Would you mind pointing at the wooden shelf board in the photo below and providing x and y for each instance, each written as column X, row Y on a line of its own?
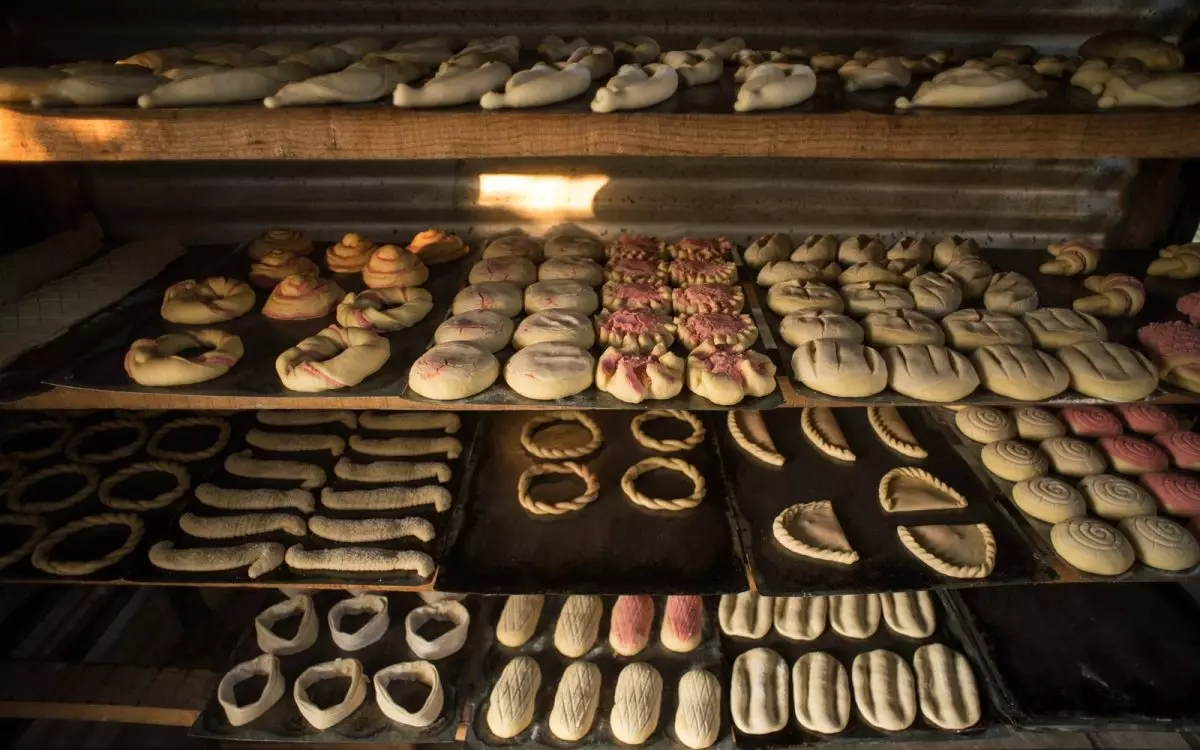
column 273, row 583
column 383, row 132
column 164, row 717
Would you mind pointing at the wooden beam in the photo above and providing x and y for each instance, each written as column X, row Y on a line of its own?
column 167, row 717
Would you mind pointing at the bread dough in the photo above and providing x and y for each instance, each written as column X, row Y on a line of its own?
column 1183, row 447
column 1177, row 494
column 984, row 424
column 387, row 309
column 16, row 495
column 1177, row 262
column 456, row 84
column 636, row 296
column 1014, row 460
column 946, row 687
column 725, row 375
column 906, row 489
column 893, row 432
column 816, row 249
column 839, row 369
column 793, row 296
column 801, row 618
column 884, row 690
column 410, row 671
column 513, row 697
column 211, row 300
column 1130, row 455
column 578, row 625
column 812, row 530
column 157, row 362
column 708, row 298
column 698, row 716
column 930, row 373
column 302, row 297
column 870, row 297
column 38, row 528
column 935, row 294
column 1019, row 372
column 870, row 273
column 640, row 246
column 1092, row 546
column 1161, row 543
column 758, row 693
column 968, row 330
column 1010, row 293
column 549, row 371
column 136, row 432
column 497, row 296
column 590, row 492
column 574, row 246
column 510, row 270
column 387, row 498
column 285, row 240
column 775, row 86
column 568, row 267
column 634, row 330
column 177, row 472
column 444, row 645
column 686, row 272
column 411, row 421
column 350, row 254
column 240, row 714
column 1148, row 419
column 638, row 270
column 1174, row 346
column 1113, row 498
column 1115, row 295
column 854, row 616
column 452, row 371
column 278, row 265
column 909, row 613
column 724, row 329
column 1090, row 421
column 360, row 560
column 667, row 445
column 820, row 426
column 368, row 530
column 821, row 693
column 629, row 624
column 519, row 619
column 896, row 327
column 964, row 551
column 1049, row 499
column 259, row 558
column 1056, row 327
column 749, row 432
column 362, row 604
column 861, row 248
column 243, row 464
column 514, row 246
column 246, row 500
column 1071, row 257
column 954, row 248
column 1122, row 44
column 779, row 271
column 539, row 86
column 972, row 274
column 801, row 327
column 637, row 701
column 555, row 452
column 1109, row 371
column 629, row 487
column 1036, row 423
column 486, row 329
column 745, row 615
column 1073, row 457
column 334, row 358
column 633, row 378
column 575, row 701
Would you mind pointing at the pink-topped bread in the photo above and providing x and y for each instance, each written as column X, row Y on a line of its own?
column 683, row 623
column 617, row 295
column 301, row 297
column 1130, row 455
column 686, row 272
column 701, row 248
column 638, row 270
column 1182, row 446
column 1194, row 527
column 1090, row 421
column 724, row 329
column 1175, row 349
column 634, row 330
column 640, row 246
column 629, row 631
column 1177, row 494
column 708, row 298
column 1147, row 419
column 1189, row 305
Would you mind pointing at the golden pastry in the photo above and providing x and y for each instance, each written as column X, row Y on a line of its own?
column 350, row 254
column 287, row 240
column 391, row 266
column 434, row 246
column 211, row 300
column 335, row 357
column 278, row 265
column 302, row 297
column 156, row 362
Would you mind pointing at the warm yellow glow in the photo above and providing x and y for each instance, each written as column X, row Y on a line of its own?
column 542, row 196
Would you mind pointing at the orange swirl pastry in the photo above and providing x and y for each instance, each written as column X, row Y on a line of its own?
column 301, row 297
column 287, row 240
column 391, row 266
column 277, row 265
column 349, row 255
column 434, row 246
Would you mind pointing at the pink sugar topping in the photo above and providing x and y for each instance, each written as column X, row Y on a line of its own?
column 697, row 267
column 1170, row 339
column 1183, row 447
column 708, row 325
column 684, row 616
column 1143, row 455
column 1189, row 305
column 1091, row 421
column 1177, row 494
column 641, row 241
column 637, row 292
column 725, row 362
column 714, row 294
column 633, row 321
column 631, row 620
column 1147, row 419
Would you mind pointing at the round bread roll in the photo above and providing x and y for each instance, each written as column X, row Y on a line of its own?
column 555, row 326
column 954, row 248
column 801, row 327
column 576, row 247
column 861, row 248
column 1113, row 498
column 1073, row 457
column 794, row 296
column 573, row 268
column 768, row 249
column 1036, row 423
column 1011, row 293
column 509, row 269
column 285, row 240
column 936, row 294
column 873, row 297
column 1161, row 543
column 302, row 297
column 514, row 246
column 561, row 295
column 968, row 330
column 486, row 329
column 550, row 371
column 455, row 370
column 816, row 249
column 349, row 255
column 1019, row 372
column 1049, row 499
column 836, row 368
column 393, row 266
column 277, row 265
column 929, row 373
column 1092, row 546
column 897, row 327
column 334, row 358
column 779, row 271
column 496, row 296
column 156, row 362
column 984, row 424
column 1109, row 371
column 972, row 274
column 1014, row 460
column 212, row 300
column 870, row 273
column 1056, row 327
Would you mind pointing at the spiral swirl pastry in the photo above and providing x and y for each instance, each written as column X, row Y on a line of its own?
column 1159, row 531
column 1053, row 491
column 1148, row 419
column 1184, row 448
column 1130, row 455
column 1115, row 498
column 1161, row 543
column 1092, row 546
column 1091, row 421
column 287, row 240
column 1073, row 457
column 1013, row 460
column 1036, row 423
column 1178, row 494
column 983, row 424
column 1095, row 535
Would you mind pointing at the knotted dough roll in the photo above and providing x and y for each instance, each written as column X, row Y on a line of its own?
column 210, row 300
column 156, row 362
column 301, row 297
column 334, row 358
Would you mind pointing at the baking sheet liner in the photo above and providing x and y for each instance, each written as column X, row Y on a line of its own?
column 1086, row 657
column 367, row 724
column 611, row 546
column 671, row 667
column 761, row 492
column 949, row 631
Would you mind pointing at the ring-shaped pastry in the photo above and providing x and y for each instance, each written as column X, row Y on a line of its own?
column 41, row 553
column 410, row 671
column 154, row 447
column 671, row 464
column 671, row 445
column 306, row 634
column 324, row 718
column 38, row 425
column 590, row 492
column 38, row 529
column 334, row 357
column 554, row 453
column 375, row 628
column 156, row 362
column 75, row 447
column 183, row 481
column 207, row 301
column 90, row 476
column 446, row 644
column 391, row 308
column 241, row 714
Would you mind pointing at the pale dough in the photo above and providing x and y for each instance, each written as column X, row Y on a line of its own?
column 555, row 326
column 698, row 716
column 936, row 294
column 946, row 687
column 575, row 701
column 637, row 701
column 820, row 426
column 1109, row 371
column 821, row 693
column 930, row 373
column 985, row 424
column 486, row 329
column 745, row 615
column 1073, row 457
column 801, row 618
column 549, row 371
column 839, row 369
column 968, row 330
column 519, row 619
column 758, row 695
column 963, row 551
column 749, row 431
column 1056, row 327
column 794, row 296
column 306, row 632
column 801, row 327
column 1014, row 460
column 1019, row 372
column 496, row 296
column 452, row 371
column 854, row 616
column 894, row 432
column 578, row 625
column 1010, row 293
column 909, row 613
column 585, row 270
column 1048, row 499
column 908, row 488
column 240, row 714
column 812, row 530
column 512, row 700
column 509, row 269
column 1114, row 498
column 1036, row 423
column 1092, row 546
column 884, row 690
column 683, row 623
column 561, row 295
column 1161, row 543
column 895, row 327
column 868, row 297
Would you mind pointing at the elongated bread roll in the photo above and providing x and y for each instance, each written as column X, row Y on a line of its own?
column 455, row 85
column 884, row 690
column 304, row 418
column 387, row 498
column 445, row 421
column 821, row 693
column 578, row 625
column 243, row 524
column 262, row 557
column 575, row 701
column 511, row 703
column 698, row 715
column 519, row 619
column 225, row 87
column 293, row 442
column 758, row 695
column 243, row 464
column 540, row 85
column 946, row 687
column 637, row 702
column 360, row 559
column 365, row 530
column 406, row 446
column 801, row 618
column 745, row 615
column 391, row 471
column 229, row 499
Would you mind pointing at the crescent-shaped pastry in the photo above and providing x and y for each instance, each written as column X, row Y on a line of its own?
column 683, row 623
column 575, row 701
column 240, row 714
column 324, row 718
column 820, row 426
column 636, row 87
column 963, row 551
column 745, row 615
column 302, row 297
column 158, row 362
column 884, row 690
column 241, row 525
column 775, row 86
column 234, row 499
column 519, row 619
column 539, row 86
column 277, row 265
column 453, row 86
column 758, row 693
column 391, row 266
column 349, row 254
column 578, row 625
column 891, row 429
column 812, row 530
column 972, row 88
column 258, row 558
column 306, row 633
column 907, row 488
column 695, row 67
column 211, row 300
column 749, row 432
column 909, row 613
column 725, row 375
column 512, row 700
column 410, row 671
column 360, row 560
column 637, row 701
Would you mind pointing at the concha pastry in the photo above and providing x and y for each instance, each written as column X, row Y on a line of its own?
column 962, row 551
column 335, row 357
column 1109, row 371
column 1014, row 460
column 708, row 298
column 801, row 327
column 633, row 378
column 486, row 329
column 968, row 330
column 277, row 265
column 725, row 376
column 1161, row 543
column 683, row 623
column 509, row 269
column 451, row 371
column 821, row 693
column 884, row 690
column 549, row 371
column 698, row 715
column 513, row 698
column 779, row 271
column 896, row 327
column 906, row 489
column 812, row 530
column 1010, row 293
column 871, row 297
column 1183, row 446
column 1056, row 327
column 1092, row 546
column 1049, row 499
column 285, row 240
column 514, row 246
column 302, row 297
column 816, row 249
column 629, row 626
column 769, row 248
column 1174, row 347
column 861, row 248
column 1130, row 455
column 575, row 701
column 801, row 618
column 578, row 625
column 628, row 295
column 1113, row 498
column 930, row 373
column 794, row 296
column 909, row 613
column 571, row 268
column 500, row 297
column 434, row 246
column 839, row 369
column 350, row 254
column 891, row 429
column 1036, row 423
column 855, row 616
column 821, row 428
column 758, row 695
column 936, row 294
column 1019, row 372
column 211, row 300
column 745, row 615
column 984, row 424
column 1177, row 494
column 1071, row 257
column 954, row 248
column 946, row 687
column 1073, row 457
column 637, row 701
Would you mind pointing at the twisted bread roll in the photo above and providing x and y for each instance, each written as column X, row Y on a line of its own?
column 350, row 254
column 1071, row 257
column 226, row 87
column 695, row 67
column 117, row 84
column 1177, row 262
column 973, row 88
column 335, row 357
column 156, row 362
column 390, row 266
column 540, row 85
column 211, row 300
column 453, row 86
column 277, row 265
column 361, row 82
column 775, row 86
column 388, row 309
column 301, row 297
column 1116, row 295
column 636, row 87
column 598, row 61
column 1167, row 90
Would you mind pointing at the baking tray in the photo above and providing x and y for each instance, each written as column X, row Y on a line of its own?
column 284, row 723
column 1078, row 656
column 540, row 647
column 283, row 575
column 950, row 631
column 761, row 491
column 264, row 339
column 94, row 543
column 499, row 394
column 611, row 546
column 1039, row 531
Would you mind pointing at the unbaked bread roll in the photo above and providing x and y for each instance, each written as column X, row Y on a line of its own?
column 211, row 300
column 1020, row 372
column 869, row 297
column 726, row 375
column 1162, row 90
column 695, row 67
column 486, row 329
column 929, row 373
column 633, row 330
column 896, row 327
column 1010, row 293
column 505, row 299
column 1113, row 296
column 563, row 294
column 578, row 625
column 801, row 327
column 225, row 87
column 839, row 369
column 972, row 88
column 1071, row 257
column 277, row 265
column 884, row 690
column 863, row 74
column 555, row 326
column 936, row 294
column 1109, row 371
column 549, row 371
column 302, row 297
column 633, row 377
column 867, row 272
column 816, row 249
column 861, row 248
column 364, row 81
column 539, row 86
column 519, row 619
column 509, row 269
column 775, row 86
column 1092, row 546
column 349, row 254
column 637, row 701
column 1177, row 262
column 571, row 268
column 391, row 266
column 451, row 371
column 794, row 296
column 946, row 687
column 636, row 87
column 334, row 358
column 758, row 693
column 1014, row 460
column 968, row 330
column 984, row 424
column 769, row 248
column 513, row 697
column 745, row 615
column 698, row 716
column 434, row 246
column 683, row 623
column 156, row 362
column 1073, row 457
column 576, row 246
column 954, row 248
column 777, row 271
column 1056, row 327
column 388, row 309
column 514, row 246
column 575, row 701
column 972, row 274
column 1122, row 44
column 453, row 86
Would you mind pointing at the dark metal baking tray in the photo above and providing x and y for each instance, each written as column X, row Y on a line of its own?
column 1078, row 656
column 761, row 491
column 264, row 339
column 283, row 575
column 283, row 721
column 950, row 631
column 540, row 647
column 611, row 546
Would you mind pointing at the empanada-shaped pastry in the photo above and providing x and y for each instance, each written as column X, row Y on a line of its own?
column 891, row 429
column 1019, row 372
column 965, row 551
column 909, row 613
column 801, row 618
column 637, row 701
column 812, row 530
column 578, row 625
column 1056, row 327
column 745, row 615
column 854, row 615
column 839, row 369
column 946, row 686
column 935, row 294
column 749, row 432
column 884, row 690
column 698, row 715
column 822, row 430
column 575, row 701
column 907, row 488
column 821, row 693
column 929, row 372
column 512, row 700
column 758, row 695
column 519, row 619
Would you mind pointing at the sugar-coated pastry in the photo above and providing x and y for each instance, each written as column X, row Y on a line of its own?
column 387, row 309
column 1182, row 446
column 211, row 300
column 567, row 267
column 629, row 624
column 555, row 326
column 1019, row 372
column 725, row 375
column 836, row 368
column 514, row 246
column 1189, row 305
column 708, row 298
column 1092, row 546
column 302, row 297
column 1130, row 455
column 434, row 246
column 1036, row 423
column 799, row 328
column 277, row 265
column 1177, row 494
column 1174, row 346
column 549, row 371
column 633, row 377
column 510, row 269
column 335, row 357
column 636, row 296
column 157, row 362
column 487, row 329
column 1109, row 371
column 350, row 254
column 685, row 272
column 1161, row 543
column 1090, row 421
column 683, row 623
column 634, row 330
column 286, row 240
column 1056, row 327
column 505, row 299
column 392, row 266
column 635, row 246
column 451, row 371
column 1148, row 419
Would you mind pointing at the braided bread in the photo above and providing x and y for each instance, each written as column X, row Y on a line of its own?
column 1115, row 295
column 669, row 445
column 182, row 478
column 154, row 448
column 554, row 452
column 41, row 553
column 590, row 493
column 671, row 464
column 1071, row 257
